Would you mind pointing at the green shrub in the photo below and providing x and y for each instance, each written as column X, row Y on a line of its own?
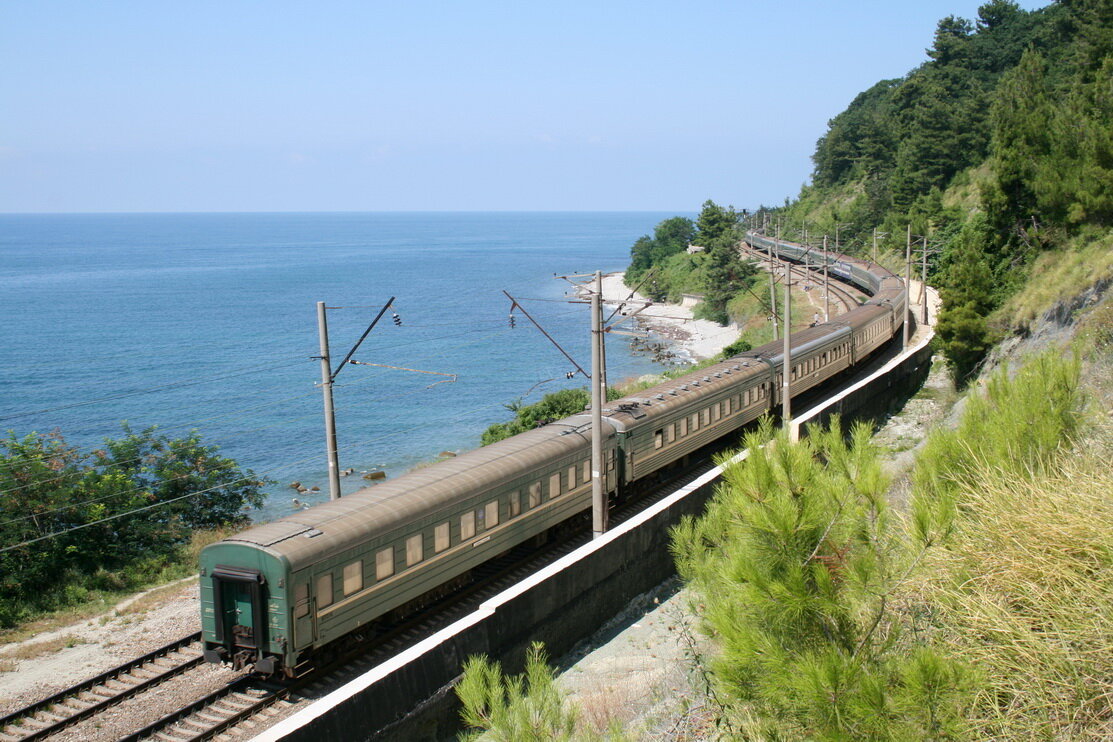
column 794, row 566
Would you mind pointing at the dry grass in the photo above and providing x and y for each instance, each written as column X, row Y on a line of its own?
column 32, row 650
column 1025, row 592
column 1062, row 274
column 153, row 598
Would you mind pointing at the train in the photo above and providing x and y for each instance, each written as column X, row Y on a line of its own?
column 276, row 597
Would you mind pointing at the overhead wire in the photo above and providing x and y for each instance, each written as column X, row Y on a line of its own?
column 441, row 352
column 273, row 470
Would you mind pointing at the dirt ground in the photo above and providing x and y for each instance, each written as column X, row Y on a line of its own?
column 53, row 660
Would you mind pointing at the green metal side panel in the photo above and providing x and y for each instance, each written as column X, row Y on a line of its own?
column 275, row 592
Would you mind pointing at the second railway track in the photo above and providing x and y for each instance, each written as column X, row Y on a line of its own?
column 93, row 696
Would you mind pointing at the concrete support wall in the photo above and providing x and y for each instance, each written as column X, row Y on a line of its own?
column 560, row 605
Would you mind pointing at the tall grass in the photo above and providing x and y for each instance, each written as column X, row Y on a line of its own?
column 1023, row 588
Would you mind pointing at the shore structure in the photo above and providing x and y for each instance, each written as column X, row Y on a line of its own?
column 690, row 339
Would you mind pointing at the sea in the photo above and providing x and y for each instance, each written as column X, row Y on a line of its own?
column 208, row 323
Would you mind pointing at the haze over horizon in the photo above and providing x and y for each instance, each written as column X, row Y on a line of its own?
column 132, row 107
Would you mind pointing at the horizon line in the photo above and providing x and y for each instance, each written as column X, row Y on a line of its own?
column 348, row 211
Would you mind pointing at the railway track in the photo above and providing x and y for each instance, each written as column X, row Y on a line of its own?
column 93, row 696
column 848, row 298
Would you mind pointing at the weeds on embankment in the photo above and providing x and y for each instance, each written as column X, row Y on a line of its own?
column 1023, row 588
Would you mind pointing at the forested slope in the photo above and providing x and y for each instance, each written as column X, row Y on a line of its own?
column 997, row 150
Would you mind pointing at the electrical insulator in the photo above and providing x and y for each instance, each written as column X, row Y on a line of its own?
column 512, row 321
column 569, row 374
column 397, row 320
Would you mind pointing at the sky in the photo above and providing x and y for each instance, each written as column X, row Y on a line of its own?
column 433, row 106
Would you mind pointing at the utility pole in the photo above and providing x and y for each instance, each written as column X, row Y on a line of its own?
column 826, row 287
column 330, row 415
column 598, row 493
column 773, row 291
column 327, row 377
column 786, row 372
column 875, row 245
column 924, row 283
column 907, row 286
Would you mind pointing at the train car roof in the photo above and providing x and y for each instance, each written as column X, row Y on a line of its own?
column 333, row 526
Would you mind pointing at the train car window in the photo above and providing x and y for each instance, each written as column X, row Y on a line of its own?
column 353, row 577
column 414, row 549
column 384, row 563
column 492, row 515
column 572, row 478
column 693, row 422
column 610, row 460
column 683, row 426
column 480, row 519
column 716, row 411
column 659, row 439
column 705, row 417
column 554, row 485
column 441, row 538
column 670, row 433
column 324, row 590
column 515, row 504
column 587, row 471
column 467, row 525
column 535, row 494
column 301, row 600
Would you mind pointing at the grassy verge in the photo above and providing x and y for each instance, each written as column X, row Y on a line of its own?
column 1084, row 262
column 83, row 602
column 1022, row 589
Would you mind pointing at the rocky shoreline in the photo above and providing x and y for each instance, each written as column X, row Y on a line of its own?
column 689, row 339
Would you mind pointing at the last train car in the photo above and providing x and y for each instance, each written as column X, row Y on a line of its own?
column 274, row 595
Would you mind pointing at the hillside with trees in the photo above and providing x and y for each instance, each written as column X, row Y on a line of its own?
column 663, row 269
column 997, row 150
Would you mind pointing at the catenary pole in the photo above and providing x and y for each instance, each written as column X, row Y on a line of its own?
column 330, row 415
column 786, row 398
column 773, row 290
column 826, row 286
column 907, row 285
column 598, row 495
column 924, row 283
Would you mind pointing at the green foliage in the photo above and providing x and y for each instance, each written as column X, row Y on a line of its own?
column 1013, row 110
column 1022, row 585
column 1019, row 427
column 553, row 406
column 794, row 566
column 718, row 273
column 738, row 346
column 670, row 237
column 105, row 515
column 519, row 708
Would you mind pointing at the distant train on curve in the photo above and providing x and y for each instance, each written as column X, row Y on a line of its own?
column 277, row 595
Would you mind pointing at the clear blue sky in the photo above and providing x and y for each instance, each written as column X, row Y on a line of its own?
column 479, row 105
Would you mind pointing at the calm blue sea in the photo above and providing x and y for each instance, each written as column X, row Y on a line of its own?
column 208, row 322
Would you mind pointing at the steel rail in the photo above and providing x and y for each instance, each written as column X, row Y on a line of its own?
column 11, row 725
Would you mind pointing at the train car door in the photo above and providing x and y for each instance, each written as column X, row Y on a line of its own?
column 305, row 623
column 240, row 612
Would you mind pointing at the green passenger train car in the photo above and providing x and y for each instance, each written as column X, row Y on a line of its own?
column 273, row 594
